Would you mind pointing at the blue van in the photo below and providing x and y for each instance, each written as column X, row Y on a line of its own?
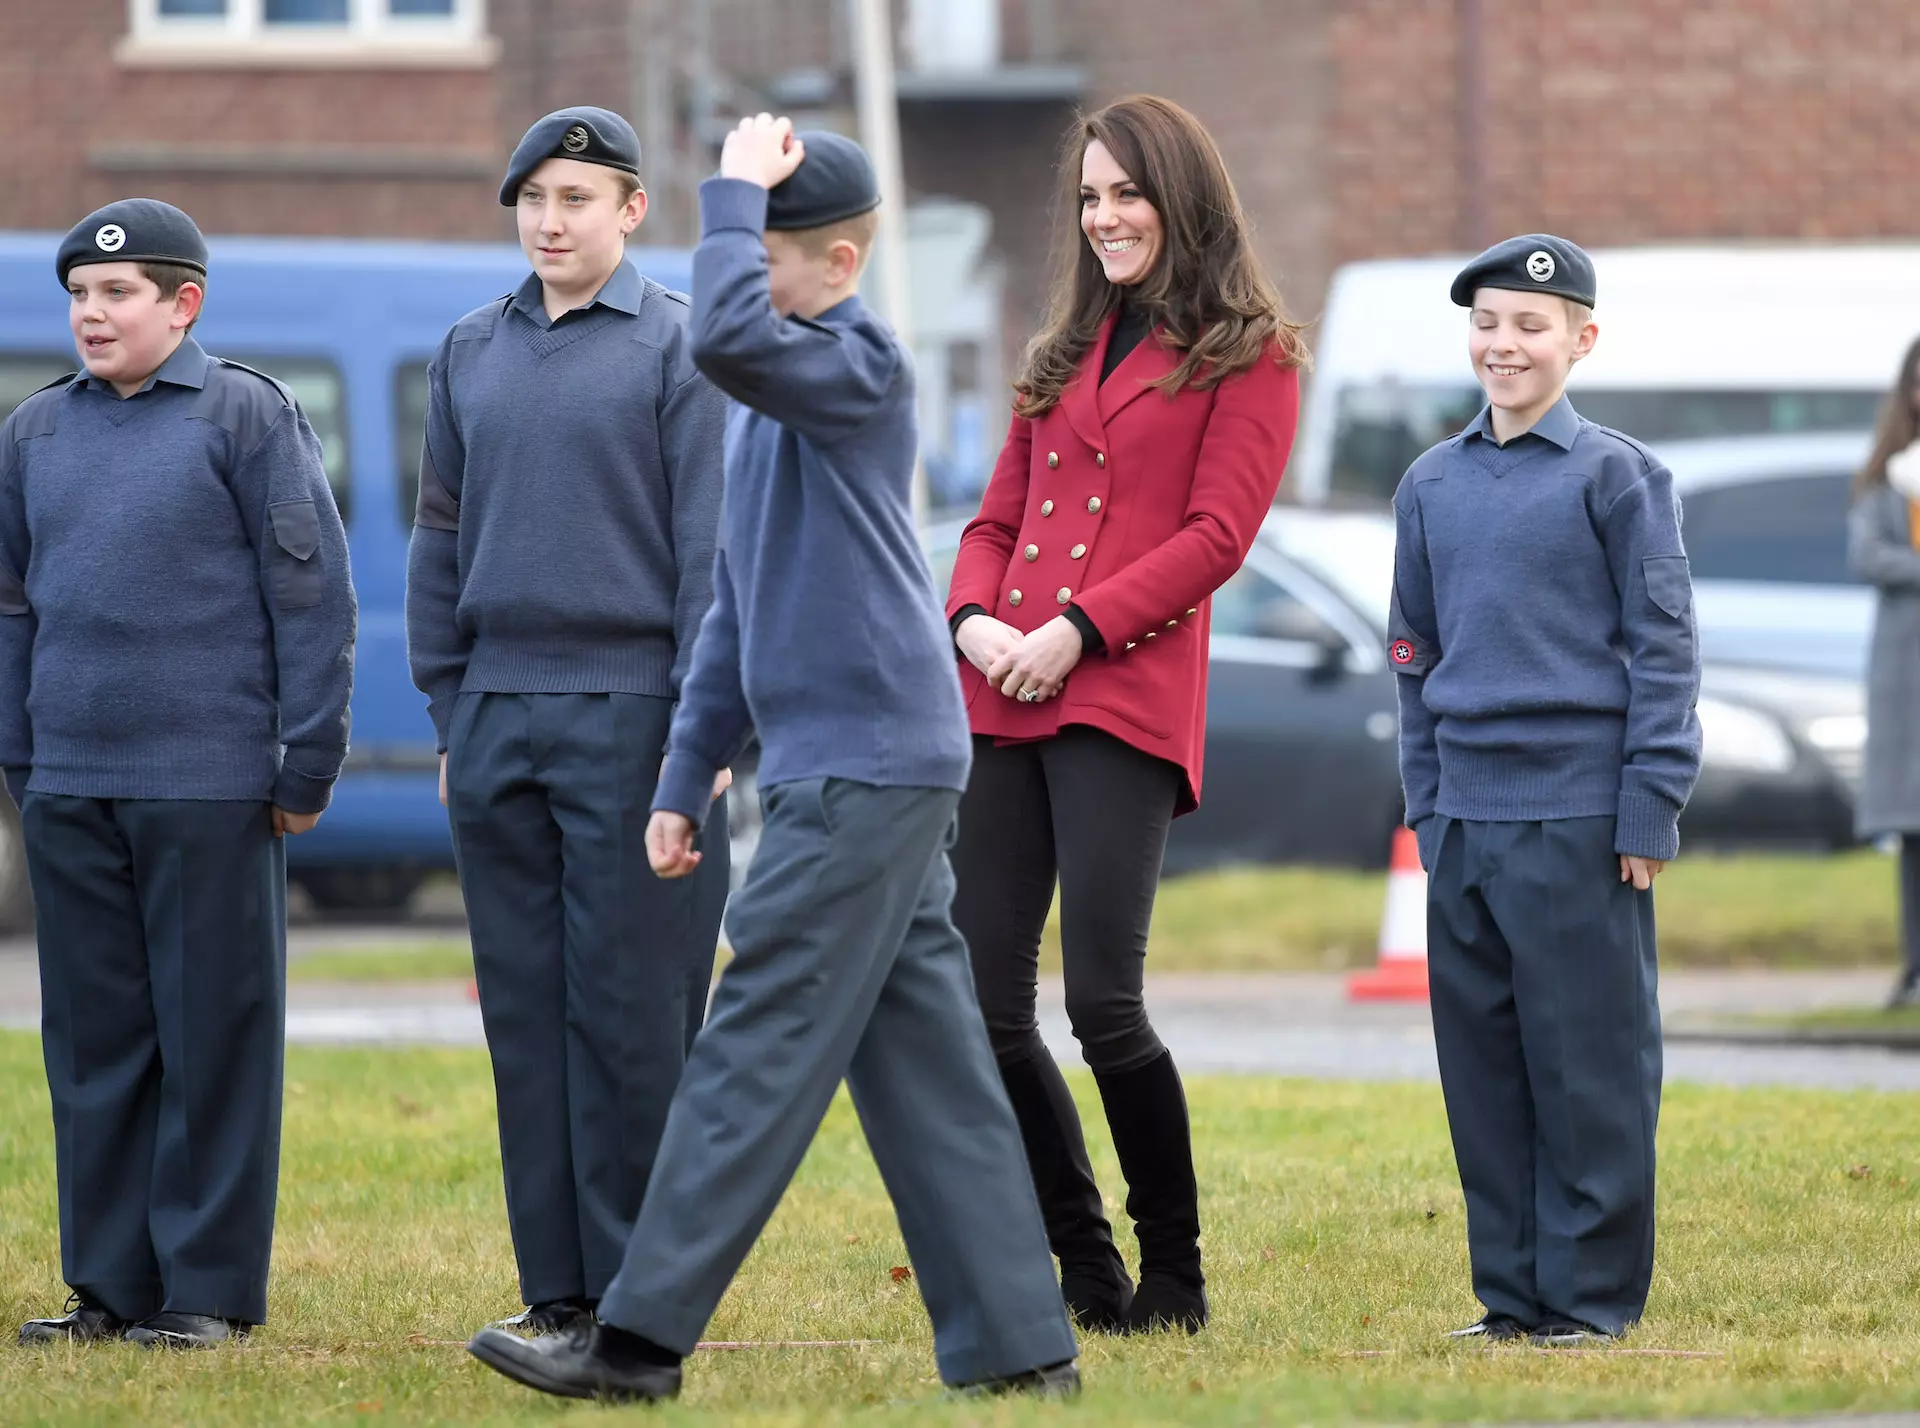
column 349, row 325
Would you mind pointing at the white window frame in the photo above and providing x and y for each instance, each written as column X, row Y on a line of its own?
column 242, row 35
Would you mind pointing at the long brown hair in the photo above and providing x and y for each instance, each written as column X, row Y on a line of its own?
column 1899, row 423
column 1208, row 293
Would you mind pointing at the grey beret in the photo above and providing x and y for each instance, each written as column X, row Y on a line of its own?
column 591, row 135
column 134, row 230
column 1532, row 263
column 835, row 181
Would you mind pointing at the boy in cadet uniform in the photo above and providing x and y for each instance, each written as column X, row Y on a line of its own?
column 826, row 636
column 562, row 558
column 176, row 655
column 1543, row 634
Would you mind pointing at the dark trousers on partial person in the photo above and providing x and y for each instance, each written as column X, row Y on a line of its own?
column 1546, row 1019
column 1910, row 906
column 592, row 972
column 162, row 942
column 846, row 964
column 1089, row 814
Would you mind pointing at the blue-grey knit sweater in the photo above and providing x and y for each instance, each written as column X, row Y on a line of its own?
column 175, row 601
column 1543, row 632
column 569, row 495
column 825, row 636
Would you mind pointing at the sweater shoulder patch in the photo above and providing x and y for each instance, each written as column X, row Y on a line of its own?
column 40, row 412
column 241, row 401
column 479, row 325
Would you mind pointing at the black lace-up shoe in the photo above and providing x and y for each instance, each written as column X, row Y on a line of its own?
column 186, row 1331
column 1494, row 1329
column 83, row 1323
column 570, row 1365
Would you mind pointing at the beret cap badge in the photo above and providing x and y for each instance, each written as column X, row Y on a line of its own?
column 1540, row 265
column 111, row 238
column 575, row 141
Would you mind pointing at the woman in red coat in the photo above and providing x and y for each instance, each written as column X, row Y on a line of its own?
column 1150, row 427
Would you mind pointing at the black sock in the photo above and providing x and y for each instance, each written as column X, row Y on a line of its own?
column 631, row 1351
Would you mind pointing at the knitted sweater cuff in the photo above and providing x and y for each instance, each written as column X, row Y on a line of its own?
column 298, row 792
column 686, row 785
column 1648, row 826
column 441, row 712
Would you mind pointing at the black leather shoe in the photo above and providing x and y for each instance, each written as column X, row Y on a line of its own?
column 568, row 1365
column 1494, row 1328
column 186, row 1331
column 1167, row 1301
column 83, row 1323
column 555, row 1316
column 1565, row 1333
column 1061, row 1380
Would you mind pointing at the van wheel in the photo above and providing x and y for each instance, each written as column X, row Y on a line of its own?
column 16, row 895
column 359, row 893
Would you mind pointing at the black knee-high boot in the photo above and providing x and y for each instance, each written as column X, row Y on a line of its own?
column 1093, row 1277
column 1147, row 1110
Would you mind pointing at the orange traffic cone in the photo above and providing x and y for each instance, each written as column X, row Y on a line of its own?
column 1401, row 972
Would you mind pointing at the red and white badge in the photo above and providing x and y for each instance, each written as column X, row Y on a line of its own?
column 1402, row 652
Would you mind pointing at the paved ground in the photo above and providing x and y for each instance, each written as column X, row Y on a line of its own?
column 1298, row 1024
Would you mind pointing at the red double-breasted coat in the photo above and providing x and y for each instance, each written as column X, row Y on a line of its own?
column 1136, row 506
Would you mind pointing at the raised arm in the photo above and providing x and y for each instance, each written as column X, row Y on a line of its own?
column 1662, row 754
column 437, row 651
column 1248, row 437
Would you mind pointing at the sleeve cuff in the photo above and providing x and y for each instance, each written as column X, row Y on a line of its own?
column 964, row 614
column 441, row 712
column 686, row 786
column 1091, row 640
column 1648, row 826
column 1426, row 836
column 298, row 792
column 732, row 203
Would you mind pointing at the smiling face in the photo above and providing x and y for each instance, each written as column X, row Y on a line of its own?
column 1523, row 345
column 1123, row 229
column 574, row 219
column 123, row 328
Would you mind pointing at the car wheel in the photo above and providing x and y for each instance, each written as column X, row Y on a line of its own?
column 16, row 894
column 359, row 893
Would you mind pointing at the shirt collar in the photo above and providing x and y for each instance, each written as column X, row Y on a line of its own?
column 622, row 292
column 1559, row 424
column 187, row 367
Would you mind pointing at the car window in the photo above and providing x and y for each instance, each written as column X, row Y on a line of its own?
column 409, row 433
column 22, row 376
column 1793, row 530
column 1380, row 427
column 1253, row 605
column 322, row 393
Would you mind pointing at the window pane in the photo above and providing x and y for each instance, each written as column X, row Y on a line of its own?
column 306, row 12
column 409, row 434
column 322, row 396
column 1793, row 530
column 443, row 8
column 193, row 7
column 21, row 377
column 1250, row 604
column 1380, row 429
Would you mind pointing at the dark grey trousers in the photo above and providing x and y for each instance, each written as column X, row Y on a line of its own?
column 163, row 985
column 592, row 973
column 1547, row 1022
column 847, row 966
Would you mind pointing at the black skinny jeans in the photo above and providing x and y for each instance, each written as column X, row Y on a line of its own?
column 1093, row 812
column 1909, row 901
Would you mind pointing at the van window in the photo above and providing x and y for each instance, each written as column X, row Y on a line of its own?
column 1791, row 529
column 1380, row 428
column 317, row 385
column 22, row 376
column 409, row 433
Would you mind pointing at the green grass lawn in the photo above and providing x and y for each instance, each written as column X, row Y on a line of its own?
column 1788, row 1278
column 1748, row 910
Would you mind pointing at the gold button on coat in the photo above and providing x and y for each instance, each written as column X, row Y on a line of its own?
column 1063, row 595
column 1046, row 508
column 1093, row 505
column 1194, row 611
column 1014, row 597
column 1100, row 459
column 1173, row 624
column 1077, row 552
column 1032, row 552
column 1053, row 460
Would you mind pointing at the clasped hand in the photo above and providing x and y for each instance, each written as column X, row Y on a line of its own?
column 1035, row 664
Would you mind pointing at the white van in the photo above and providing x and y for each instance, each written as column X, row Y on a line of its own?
column 1695, row 342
